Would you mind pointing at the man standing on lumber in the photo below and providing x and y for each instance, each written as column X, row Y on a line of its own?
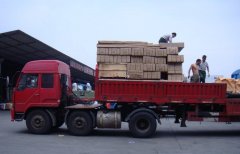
column 195, row 70
column 202, row 69
column 167, row 38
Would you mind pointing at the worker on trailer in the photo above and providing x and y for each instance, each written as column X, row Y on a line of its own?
column 195, row 70
column 202, row 69
column 167, row 38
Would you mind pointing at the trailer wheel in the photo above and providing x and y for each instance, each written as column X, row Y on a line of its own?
column 142, row 125
column 38, row 122
column 80, row 123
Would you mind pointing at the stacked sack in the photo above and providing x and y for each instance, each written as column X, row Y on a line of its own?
column 140, row 60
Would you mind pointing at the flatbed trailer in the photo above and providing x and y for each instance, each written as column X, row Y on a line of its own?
column 140, row 103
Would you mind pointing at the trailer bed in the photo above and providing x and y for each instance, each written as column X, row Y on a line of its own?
column 158, row 92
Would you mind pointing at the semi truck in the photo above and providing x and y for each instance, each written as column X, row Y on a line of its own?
column 43, row 98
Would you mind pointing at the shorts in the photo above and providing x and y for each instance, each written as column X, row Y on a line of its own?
column 195, row 78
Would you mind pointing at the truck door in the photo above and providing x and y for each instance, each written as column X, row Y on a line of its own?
column 27, row 92
column 49, row 93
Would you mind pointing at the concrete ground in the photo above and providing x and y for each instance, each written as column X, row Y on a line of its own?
column 197, row 138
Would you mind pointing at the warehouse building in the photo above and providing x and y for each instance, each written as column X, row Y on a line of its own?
column 17, row 48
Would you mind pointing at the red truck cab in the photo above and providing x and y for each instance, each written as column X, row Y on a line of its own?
column 40, row 85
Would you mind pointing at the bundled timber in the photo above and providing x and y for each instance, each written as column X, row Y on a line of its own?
column 140, row 60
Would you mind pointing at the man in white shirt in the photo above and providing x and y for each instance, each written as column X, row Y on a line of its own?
column 202, row 69
column 167, row 38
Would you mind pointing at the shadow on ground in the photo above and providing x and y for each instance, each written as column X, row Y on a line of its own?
column 159, row 134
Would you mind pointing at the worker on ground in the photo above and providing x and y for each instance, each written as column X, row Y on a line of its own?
column 202, row 69
column 195, row 70
column 167, row 38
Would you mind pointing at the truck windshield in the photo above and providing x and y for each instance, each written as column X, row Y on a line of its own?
column 28, row 81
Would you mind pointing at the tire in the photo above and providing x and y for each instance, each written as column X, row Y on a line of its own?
column 80, row 123
column 142, row 125
column 38, row 122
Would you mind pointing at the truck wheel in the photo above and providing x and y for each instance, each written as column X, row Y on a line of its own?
column 142, row 125
column 38, row 122
column 80, row 123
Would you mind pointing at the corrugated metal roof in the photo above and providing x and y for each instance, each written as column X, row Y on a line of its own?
column 19, row 47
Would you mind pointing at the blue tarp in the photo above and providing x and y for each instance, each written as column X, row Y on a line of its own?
column 236, row 74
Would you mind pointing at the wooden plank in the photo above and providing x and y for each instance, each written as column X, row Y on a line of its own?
column 115, row 60
column 161, row 67
column 172, row 51
column 121, row 45
column 149, row 67
column 112, row 67
column 113, row 74
column 152, row 75
column 179, row 46
column 136, row 59
column 171, row 68
column 104, row 59
column 175, row 58
column 156, row 75
column 125, row 59
column 134, row 75
column 161, row 52
column 139, row 67
column 149, row 52
column 99, row 58
column 160, row 60
column 175, row 77
column 178, row 68
column 110, row 59
column 102, row 51
column 146, row 75
column 125, row 51
column 119, row 59
column 113, row 51
column 135, row 67
column 175, row 68
column 121, row 42
column 129, row 43
column 148, row 60
column 137, row 51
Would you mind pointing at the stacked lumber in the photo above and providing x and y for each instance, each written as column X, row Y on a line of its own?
column 140, row 60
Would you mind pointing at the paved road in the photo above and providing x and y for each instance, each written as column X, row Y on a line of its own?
column 197, row 138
